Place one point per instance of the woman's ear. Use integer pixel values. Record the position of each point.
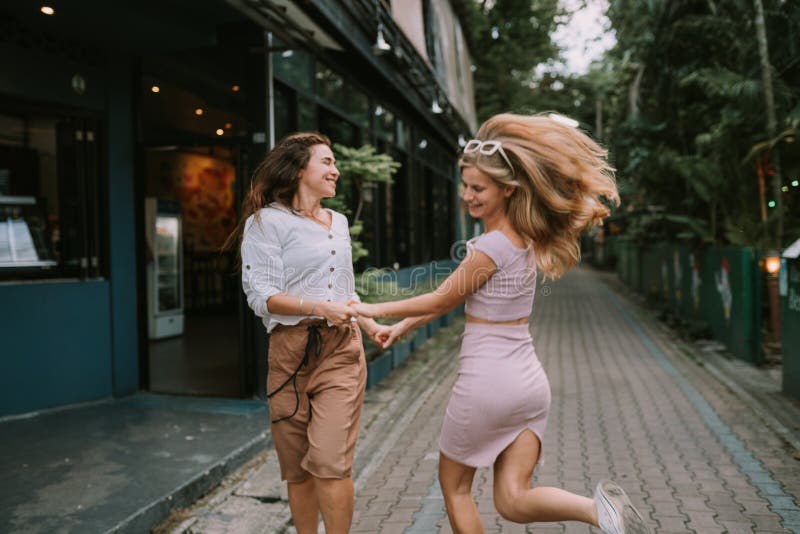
(508, 190)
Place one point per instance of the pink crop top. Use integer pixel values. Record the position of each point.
(508, 294)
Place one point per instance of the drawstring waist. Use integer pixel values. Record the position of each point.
(313, 345)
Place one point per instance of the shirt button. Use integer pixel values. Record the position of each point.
(331, 268)
(248, 266)
(330, 236)
(330, 286)
(333, 252)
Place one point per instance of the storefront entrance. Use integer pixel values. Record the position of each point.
(191, 161)
(193, 315)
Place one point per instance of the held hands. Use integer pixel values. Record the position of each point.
(385, 336)
(338, 313)
(364, 310)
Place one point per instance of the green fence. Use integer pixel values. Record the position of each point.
(718, 285)
(790, 326)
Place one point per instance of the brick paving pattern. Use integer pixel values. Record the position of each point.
(626, 405)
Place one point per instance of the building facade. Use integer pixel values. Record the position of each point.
(128, 132)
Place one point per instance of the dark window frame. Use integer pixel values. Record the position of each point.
(90, 163)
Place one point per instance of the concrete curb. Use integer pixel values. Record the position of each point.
(151, 515)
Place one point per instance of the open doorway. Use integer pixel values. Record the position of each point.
(190, 192)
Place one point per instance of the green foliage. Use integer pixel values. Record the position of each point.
(359, 168)
(511, 38)
(690, 148)
(682, 107)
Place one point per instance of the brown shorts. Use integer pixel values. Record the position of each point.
(320, 438)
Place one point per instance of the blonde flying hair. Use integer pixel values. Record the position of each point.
(560, 179)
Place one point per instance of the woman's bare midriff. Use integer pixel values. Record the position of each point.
(473, 319)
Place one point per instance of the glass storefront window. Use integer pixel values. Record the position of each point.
(306, 115)
(283, 113)
(295, 68)
(403, 135)
(385, 124)
(49, 197)
(357, 105)
(338, 129)
(332, 87)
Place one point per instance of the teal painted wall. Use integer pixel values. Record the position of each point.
(56, 345)
(67, 342)
(122, 227)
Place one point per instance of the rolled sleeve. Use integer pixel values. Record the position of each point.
(262, 265)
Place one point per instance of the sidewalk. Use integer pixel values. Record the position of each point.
(121, 465)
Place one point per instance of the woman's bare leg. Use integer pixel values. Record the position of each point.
(456, 482)
(516, 501)
(336, 503)
(304, 506)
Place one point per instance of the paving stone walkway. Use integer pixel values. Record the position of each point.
(630, 402)
(627, 404)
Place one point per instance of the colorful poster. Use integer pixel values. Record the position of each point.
(694, 264)
(204, 187)
(724, 287)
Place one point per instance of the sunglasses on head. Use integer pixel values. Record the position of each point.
(488, 148)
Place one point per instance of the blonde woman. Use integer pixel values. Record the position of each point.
(536, 184)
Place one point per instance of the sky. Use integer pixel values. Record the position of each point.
(585, 36)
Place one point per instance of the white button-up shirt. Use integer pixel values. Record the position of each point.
(287, 253)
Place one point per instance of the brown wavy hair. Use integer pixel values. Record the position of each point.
(276, 178)
(562, 183)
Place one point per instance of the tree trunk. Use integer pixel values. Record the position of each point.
(633, 93)
(772, 123)
(360, 194)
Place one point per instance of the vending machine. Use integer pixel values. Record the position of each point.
(164, 235)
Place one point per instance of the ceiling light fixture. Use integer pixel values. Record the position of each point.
(235, 88)
(155, 89)
(381, 46)
(47, 10)
(220, 131)
(198, 111)
(435, 107)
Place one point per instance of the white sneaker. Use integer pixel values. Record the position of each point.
(615, 513)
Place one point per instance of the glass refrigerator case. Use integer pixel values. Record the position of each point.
(165, 268)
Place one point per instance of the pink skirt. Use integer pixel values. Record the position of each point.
(501, 390)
